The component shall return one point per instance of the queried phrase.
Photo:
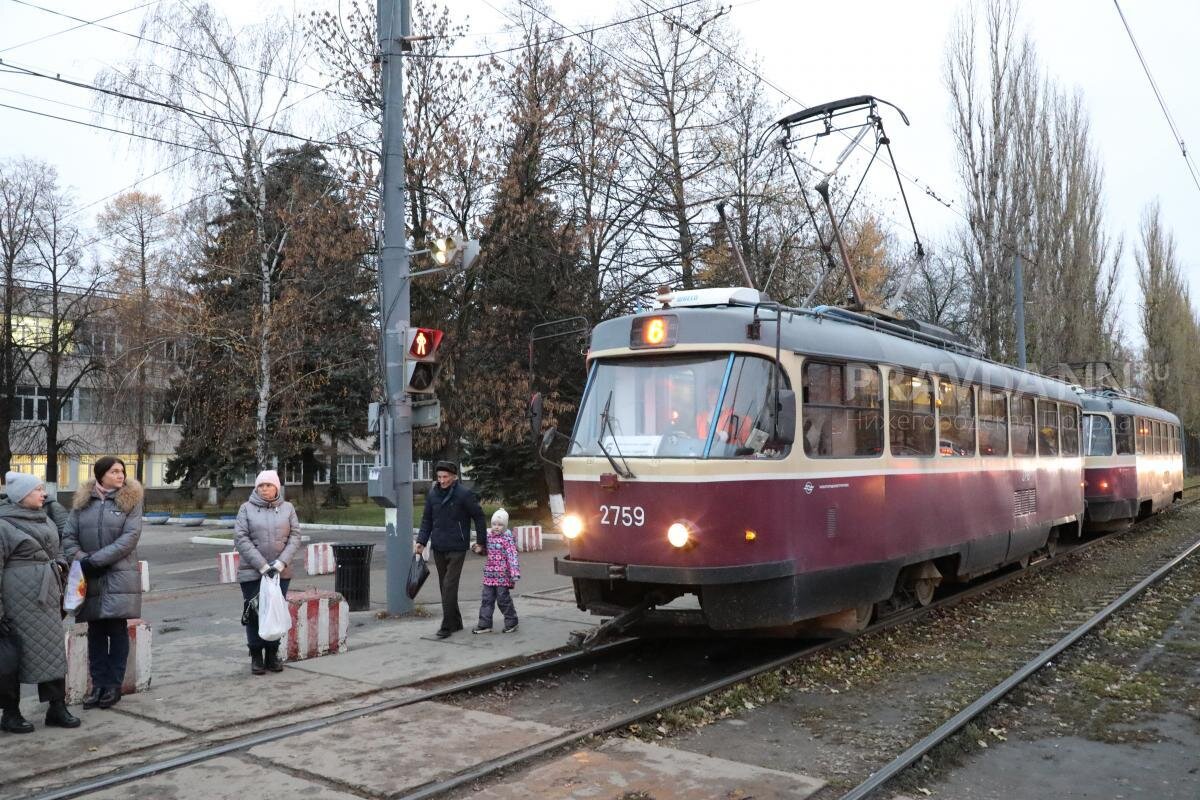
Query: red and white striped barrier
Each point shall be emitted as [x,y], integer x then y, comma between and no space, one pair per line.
[318,559]
[320,622]
[137,668]
[529,537]
[143,568]
[227,567]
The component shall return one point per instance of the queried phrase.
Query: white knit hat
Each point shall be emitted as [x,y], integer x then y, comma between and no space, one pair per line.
[500,516]
[18,485]
[268,476]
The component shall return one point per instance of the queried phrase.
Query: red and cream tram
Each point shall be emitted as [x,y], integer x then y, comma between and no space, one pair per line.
[1133,459]
[790,464]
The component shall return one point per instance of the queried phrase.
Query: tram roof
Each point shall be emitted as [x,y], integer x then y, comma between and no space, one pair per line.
[1120,404]
[835,334]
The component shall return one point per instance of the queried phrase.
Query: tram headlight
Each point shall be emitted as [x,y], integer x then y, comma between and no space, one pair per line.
[678,534]
[572,526]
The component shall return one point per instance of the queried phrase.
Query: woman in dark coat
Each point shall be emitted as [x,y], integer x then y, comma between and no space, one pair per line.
[266,535]
[31,569]
[102,532]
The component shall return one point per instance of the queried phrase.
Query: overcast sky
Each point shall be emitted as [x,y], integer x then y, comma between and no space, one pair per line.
[814,51]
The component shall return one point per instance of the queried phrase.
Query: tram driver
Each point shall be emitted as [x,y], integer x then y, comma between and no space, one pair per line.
[732,428]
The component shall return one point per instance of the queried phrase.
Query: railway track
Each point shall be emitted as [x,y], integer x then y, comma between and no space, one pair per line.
[580,733]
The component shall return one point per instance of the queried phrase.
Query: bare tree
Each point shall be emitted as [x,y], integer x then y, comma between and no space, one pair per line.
[1033,189]
[139,229]
[23,184]
[67,298]
[223,116]
[668,82]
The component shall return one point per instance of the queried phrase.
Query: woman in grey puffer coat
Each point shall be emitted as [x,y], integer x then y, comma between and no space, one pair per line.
[267,536]
[31,568]
[102,532]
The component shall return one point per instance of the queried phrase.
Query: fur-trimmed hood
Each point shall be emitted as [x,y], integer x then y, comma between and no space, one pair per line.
[127,499]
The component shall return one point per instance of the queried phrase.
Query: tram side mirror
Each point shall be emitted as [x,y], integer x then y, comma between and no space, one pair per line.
[785,418]
[535,417]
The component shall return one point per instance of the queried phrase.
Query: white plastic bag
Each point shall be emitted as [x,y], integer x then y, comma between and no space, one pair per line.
[274,618]
[76,588]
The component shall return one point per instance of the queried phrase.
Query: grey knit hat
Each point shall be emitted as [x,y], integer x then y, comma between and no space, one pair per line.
[19,484]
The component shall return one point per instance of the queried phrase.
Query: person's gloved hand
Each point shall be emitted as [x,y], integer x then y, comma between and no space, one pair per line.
[277,565]
[90,570]
[265,569]
[6,627]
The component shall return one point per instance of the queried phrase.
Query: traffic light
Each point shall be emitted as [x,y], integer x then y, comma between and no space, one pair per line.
[422,360]
[449,251]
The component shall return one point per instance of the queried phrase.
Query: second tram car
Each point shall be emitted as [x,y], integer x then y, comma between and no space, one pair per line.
[785,465]
[1133,459]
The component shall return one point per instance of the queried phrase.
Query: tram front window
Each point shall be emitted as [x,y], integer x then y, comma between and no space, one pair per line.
[677,407]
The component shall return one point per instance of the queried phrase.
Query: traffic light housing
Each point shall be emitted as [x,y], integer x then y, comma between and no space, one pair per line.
[422,359]
[449,251]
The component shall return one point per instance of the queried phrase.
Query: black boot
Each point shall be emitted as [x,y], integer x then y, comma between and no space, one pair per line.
[58,715]
[256,661]
[92,698]
[13,722]
[109,697]
[271,660]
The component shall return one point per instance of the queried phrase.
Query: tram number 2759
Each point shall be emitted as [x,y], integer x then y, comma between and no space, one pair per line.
[627,516]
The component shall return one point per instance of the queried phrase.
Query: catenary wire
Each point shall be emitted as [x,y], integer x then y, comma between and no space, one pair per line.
[84,24]
[1162,103]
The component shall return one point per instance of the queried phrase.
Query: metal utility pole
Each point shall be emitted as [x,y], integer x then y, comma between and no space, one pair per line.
[1019,286]
[396,433]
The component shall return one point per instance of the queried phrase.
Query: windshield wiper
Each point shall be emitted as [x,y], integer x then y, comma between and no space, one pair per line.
[606,425]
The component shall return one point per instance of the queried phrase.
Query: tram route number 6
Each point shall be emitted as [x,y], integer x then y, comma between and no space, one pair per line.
[627,516]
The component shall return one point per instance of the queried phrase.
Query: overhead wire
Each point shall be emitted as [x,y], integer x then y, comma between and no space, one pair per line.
[84,24]
[1162,103]
[167,104]
[176,48]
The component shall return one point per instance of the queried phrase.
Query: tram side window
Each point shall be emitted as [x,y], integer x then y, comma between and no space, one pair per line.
[843,410]
[956,419]
[910,415]
[993,423]
[1097,435]
[1024,437]
[1124,434]
[1143,435]
[1159,438]
[1069,417]
[1047,428]
[1175,440]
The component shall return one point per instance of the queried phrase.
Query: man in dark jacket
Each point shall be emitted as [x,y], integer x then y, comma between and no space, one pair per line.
[449,509]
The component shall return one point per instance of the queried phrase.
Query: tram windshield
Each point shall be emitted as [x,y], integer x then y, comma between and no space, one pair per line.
[689,406]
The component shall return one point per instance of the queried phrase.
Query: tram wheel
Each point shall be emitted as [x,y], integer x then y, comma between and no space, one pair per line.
[920,582]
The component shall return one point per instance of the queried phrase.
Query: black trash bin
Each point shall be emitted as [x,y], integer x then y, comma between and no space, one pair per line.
[352,580]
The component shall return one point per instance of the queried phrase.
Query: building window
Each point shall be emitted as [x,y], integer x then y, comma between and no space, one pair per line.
[910,415]
[843,410]
[956,419]
[354,468]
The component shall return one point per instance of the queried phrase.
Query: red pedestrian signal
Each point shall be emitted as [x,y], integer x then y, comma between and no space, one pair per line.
[424,342]
[422,367]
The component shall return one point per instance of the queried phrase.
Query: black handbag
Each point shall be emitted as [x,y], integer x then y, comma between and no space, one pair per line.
[10,656]
[250,611]
[417,573]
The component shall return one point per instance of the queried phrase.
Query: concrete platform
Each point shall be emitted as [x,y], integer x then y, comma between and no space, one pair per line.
[225,778]
[630,768]
[389,753]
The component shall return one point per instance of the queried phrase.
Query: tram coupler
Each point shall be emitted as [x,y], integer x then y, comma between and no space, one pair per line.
[586,640]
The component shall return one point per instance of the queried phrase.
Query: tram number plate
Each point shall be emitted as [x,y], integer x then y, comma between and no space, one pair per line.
[626,516]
